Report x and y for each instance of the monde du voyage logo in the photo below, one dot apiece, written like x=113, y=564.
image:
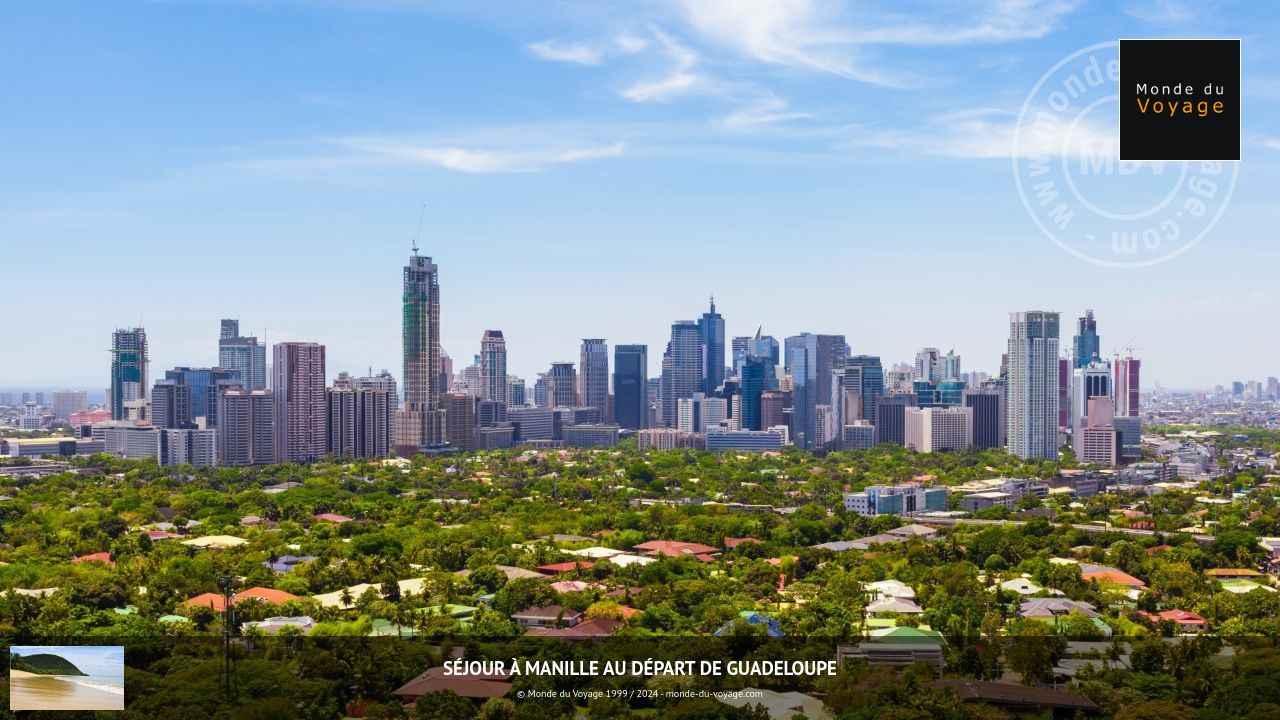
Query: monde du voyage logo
x=1124, y=151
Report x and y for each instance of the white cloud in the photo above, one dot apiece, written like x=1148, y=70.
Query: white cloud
x=470, y=160
x=681, y=79
x=587, y=53
x=767, y=111
x=989, y=133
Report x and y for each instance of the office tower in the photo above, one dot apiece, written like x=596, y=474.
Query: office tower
x=67, y=402
x=128, y=369
x=631, y=386
x=754, y=377
x=949, y=366
x=891, y=418
x=187, y=446
x=739, y=349
x=1237, y=388
x=246, y=427
x=298, y=389
x=1129, y=430
x=1086, y=345
x=493, y=367
x=689, y=413
x=988, y=406
x=460, y=421
x=765, y=346
x=593, y=376
x=6, y=399
x=171, y=405
x=1087, y=382
x=562, y=385
x=774, y=408
x=516, y=396
x=340, y=418
x=681, y=368
x=445, y=380
x=540, y=391
x=1273, y=390
x=40, y=399
x=1032, y=386
x=243, y=355
x=870, y=376
x=860, y=435
x=811, y=359
x=711, y=338
x=417, y=422
x=1065, y=368
x=938, y=429
x=1128, y=386
x=532, y=423
x=928, y=368
x=1097, y=440
x=202, y=382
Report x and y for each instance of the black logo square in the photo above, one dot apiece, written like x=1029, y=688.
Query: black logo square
x=1179, y=99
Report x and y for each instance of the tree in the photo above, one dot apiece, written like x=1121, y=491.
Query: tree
x=443, y=705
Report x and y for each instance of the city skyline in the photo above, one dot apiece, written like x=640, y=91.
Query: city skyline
x=655, y=156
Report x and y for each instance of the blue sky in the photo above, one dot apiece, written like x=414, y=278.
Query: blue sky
x=102, y=660
x=589, y=170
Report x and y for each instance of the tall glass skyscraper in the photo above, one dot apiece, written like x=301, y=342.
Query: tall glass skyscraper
x=630, y=386
x=418, y=423
x=681, y=368
x=711, y=337
x=493, y=367
x=754, y=379
x=243, y=355
x=872, y=383
x=811, y=360
x=593, y=374
x=1032, y=385
x=1087, y=343
x=128, y=369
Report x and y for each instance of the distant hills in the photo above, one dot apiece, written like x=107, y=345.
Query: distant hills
x=44, y=664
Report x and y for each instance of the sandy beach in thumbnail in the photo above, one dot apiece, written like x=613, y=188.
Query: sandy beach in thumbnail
x=28, y=691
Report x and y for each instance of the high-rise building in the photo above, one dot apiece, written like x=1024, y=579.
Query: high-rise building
x=938, y=429
x=562, y=382
x=868, y=375
x=460, y=421
x=243, y=355
x=1032, y=386
x=298, y=378
x=516, y=392
x=753, y=382
x=739, y=348
x=774, y=407
x=202, y=382
x=128, y=369
x=417, y=423
x=493, y=367
x=1096, y=440
x=811, y=359
x=1086, y=347
x=1128, y=386
x=891, y=418
x=1065, y=367
x=68, y=402
x=949, y=366
x=246, y=427
x=340, y=418
x=711, y=338
x=593, y=375
x=630, y=386
x=1087, y=382
x=187, y=446
x=171, y=405
x=681, y=368
x=361, y=415
x=988, y=406
x=928, y=368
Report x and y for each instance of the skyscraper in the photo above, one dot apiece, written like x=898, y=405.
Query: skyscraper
x=871, y=383
x=891, y=418
x=245, y=434
x=1088, y=382
x=460, y=421
x=417, y=423
x=300, y=409
x=593, y=374
x=988, y=406
x=1032, y=386
x=711, y=338
x=493, y=367
x=1128, y=386
x=128, y=369
x=928, y=368
x=681, y=368
x=754, y=377
x=171, y=405
x=811, y=359
x=1086, y=346
x=562, y=382
x=242, y=355
x=203, y=382
x=68, y=402
x=630, y=386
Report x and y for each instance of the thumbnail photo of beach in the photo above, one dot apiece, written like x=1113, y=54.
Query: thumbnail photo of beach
x=66, y=677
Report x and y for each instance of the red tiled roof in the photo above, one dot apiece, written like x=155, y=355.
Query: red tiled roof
x=1181, y=617
x=733, y=542
x=671, y=548
x=210, y=600
x=467, y=686
x=1114, y=577
x=265, y=594
x=102, y=557
x=331, y=517
x=564, y=567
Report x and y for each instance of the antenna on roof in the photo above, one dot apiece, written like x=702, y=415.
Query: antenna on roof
x=418, y=234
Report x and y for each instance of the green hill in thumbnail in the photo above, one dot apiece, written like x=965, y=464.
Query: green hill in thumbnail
x=44, y=664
